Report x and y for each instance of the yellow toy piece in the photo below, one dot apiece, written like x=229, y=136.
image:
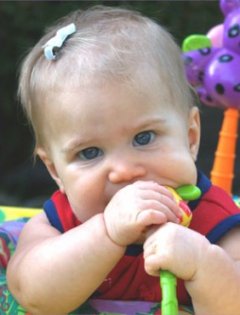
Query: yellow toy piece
x=14, y=213
x=186, y=212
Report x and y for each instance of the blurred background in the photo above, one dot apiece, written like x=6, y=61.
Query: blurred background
x=25, y=183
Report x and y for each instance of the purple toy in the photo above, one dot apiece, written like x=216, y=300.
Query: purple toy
x=212, y=66
x=215, y=71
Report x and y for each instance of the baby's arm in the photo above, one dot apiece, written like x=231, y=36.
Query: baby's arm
x=211, y=272
x=217, y=290
x=53, y=273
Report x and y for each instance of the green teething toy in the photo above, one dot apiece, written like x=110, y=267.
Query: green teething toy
x=168, y=281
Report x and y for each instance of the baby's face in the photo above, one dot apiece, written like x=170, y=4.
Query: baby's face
x=104, y=138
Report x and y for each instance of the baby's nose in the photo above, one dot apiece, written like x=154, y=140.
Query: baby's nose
x=126, y=171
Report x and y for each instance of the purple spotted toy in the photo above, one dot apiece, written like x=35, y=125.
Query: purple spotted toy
x=212, y=64
x=214, y=70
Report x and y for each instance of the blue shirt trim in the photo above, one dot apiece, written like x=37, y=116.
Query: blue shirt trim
x=204, y=184
x=134, y=250
x=222, y=228
x=51, y=212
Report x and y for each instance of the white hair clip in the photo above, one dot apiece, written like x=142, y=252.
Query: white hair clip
x=57, y=41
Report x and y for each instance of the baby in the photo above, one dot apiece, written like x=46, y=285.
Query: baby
x=114, y=123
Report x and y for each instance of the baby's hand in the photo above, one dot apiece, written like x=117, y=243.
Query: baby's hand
x=136, y=207
x=175, y=248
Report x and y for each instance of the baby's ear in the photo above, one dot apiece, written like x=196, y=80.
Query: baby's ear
x=194, y=132
x=45, y=157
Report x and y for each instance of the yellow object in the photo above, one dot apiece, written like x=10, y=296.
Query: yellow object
x=175, y=194
x=13, y=213
x=186, y=212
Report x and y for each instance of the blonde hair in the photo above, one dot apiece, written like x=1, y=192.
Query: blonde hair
x=111, y=42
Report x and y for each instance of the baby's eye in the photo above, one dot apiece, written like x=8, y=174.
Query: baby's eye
x=90, y=153
x=143, y=138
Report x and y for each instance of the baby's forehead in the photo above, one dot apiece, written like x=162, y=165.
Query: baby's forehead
x=69, y=76
x=73, y=77
x=74, y=74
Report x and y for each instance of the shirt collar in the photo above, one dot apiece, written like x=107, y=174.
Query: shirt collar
x=204, y=184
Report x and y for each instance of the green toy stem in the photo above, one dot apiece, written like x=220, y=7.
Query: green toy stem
x=168, y=281
x=168, y=284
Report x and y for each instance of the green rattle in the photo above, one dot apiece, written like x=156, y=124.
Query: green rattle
x=168, y=281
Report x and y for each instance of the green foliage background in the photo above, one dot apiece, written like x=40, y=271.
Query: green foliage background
x=21, y=25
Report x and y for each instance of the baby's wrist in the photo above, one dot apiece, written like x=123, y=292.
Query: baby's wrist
x=201, y=257
x=108, y=234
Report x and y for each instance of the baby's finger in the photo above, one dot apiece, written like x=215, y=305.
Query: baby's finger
x=151, y=217
x=171, y=210
x=153, y=265
x=168, y=201
x=151, y=185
